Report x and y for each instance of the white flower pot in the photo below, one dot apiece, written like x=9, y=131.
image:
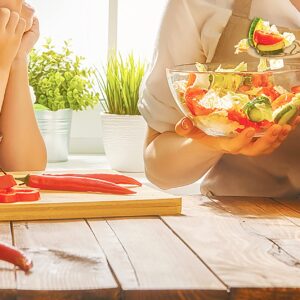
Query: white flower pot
x=123, y=139
x=55, y=127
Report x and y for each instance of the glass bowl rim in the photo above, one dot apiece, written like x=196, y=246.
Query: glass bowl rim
x=180, y=69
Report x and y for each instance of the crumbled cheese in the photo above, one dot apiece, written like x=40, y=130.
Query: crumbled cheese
x=276, y=64
x=213, y=100
x=289, y=38
x=280, y=90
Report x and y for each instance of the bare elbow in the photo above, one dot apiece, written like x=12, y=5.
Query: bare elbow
x=39, y=164
x=159, y=181
x=21, y=164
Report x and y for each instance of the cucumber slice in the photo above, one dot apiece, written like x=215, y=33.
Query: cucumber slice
x=256, y=24
x=266, y=53
x=286, y=114
x=256, y=115
x=259, y=109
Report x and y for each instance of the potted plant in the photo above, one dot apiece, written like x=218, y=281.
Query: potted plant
x=123, y=127
x=61, y=84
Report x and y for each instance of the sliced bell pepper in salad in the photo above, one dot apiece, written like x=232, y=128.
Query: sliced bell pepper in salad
x=192, y=97
x=270, y=92
x=242, y=119
x=261, y=80
x=282, y=100
x=191, y=79
x=295, y=89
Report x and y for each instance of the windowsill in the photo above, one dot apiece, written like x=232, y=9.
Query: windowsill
x=100, y=162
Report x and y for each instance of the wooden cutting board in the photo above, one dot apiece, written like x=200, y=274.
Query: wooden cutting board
x=73, y=205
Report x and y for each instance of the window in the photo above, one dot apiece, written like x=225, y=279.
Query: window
x=132, y=25
x=86, y=25
x=138, y=23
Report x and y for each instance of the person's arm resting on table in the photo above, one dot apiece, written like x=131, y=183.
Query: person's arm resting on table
x=22, y=147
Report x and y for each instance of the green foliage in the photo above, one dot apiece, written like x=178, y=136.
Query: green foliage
x=59, y=80
x=120, y=83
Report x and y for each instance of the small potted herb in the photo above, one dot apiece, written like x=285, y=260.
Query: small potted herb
x=123, y=127
x=61, y=84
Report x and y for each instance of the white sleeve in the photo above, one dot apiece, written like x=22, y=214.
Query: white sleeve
x=180, y=41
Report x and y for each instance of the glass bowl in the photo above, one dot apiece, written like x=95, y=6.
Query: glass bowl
x=224, y=102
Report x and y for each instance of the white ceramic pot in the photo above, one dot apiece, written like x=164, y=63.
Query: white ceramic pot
x=55, y=128
x=123, y=139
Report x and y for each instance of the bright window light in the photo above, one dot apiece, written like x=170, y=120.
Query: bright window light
x=138, y=24
x=85, y=22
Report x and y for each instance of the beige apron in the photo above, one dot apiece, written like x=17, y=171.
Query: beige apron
x=274, y=175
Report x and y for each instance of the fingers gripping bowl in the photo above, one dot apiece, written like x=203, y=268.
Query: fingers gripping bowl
x=223, y=101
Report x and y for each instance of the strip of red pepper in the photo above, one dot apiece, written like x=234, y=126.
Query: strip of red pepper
x=76, y=184
x=114, y=178
x=15, y=256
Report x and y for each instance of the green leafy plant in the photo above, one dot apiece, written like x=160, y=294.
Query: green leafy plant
x=120, y=83
x=59, y=79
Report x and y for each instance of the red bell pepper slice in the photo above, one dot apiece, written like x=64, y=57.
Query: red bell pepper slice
x=265, y=38
x=26, y=194
x=7, y=181
x=8, y=197
x=244, y=121
x=281, y=100
x=191, y=79
x=192, y=97
x=296, y=89
x=261, y=80
x=244, y=88
x=270, y=92
x=19, y=195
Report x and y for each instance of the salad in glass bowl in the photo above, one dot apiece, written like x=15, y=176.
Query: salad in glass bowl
x=265, y=39
x=225, y=100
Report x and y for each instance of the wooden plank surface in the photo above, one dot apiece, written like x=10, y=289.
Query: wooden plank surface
x=7, y=271
x=68, y=262
x=292, y=203
x=237, y=239
x=278, y=224
x=150, y=262
x=68, y=205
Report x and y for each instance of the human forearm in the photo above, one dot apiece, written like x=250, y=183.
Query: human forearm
x=22, y=147
x=173, y=161
x=4, y=74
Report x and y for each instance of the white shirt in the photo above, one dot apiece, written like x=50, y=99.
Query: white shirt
x=190, y=32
